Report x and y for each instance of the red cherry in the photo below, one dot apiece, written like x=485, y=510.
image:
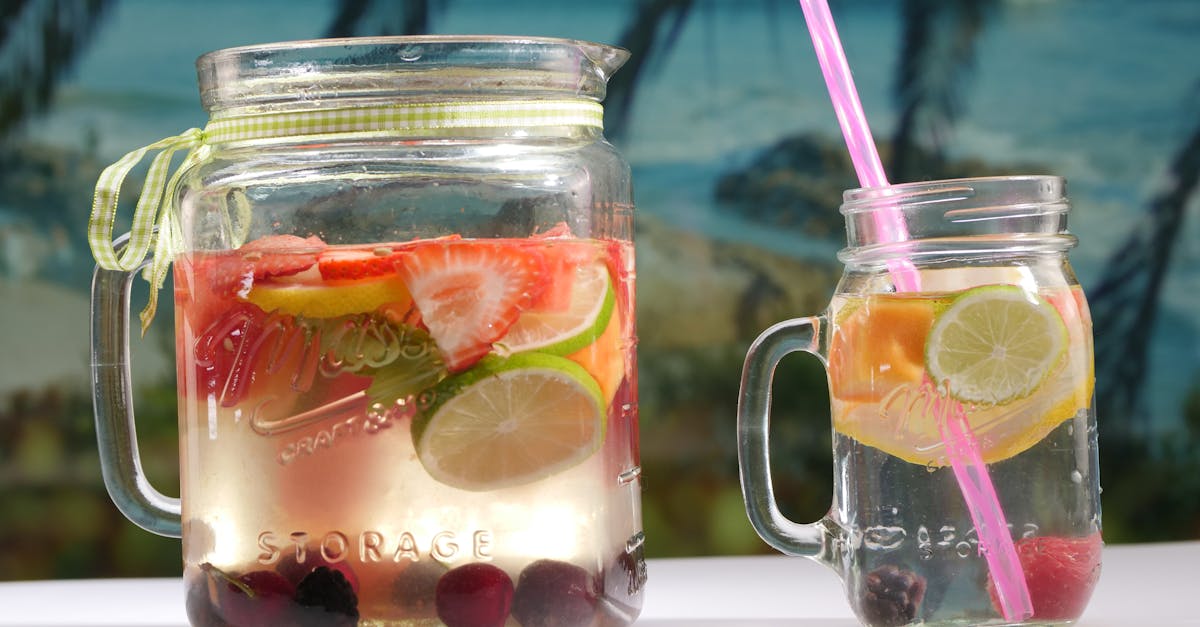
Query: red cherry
x=259, y=597
x=551, y=593
x=474, y=595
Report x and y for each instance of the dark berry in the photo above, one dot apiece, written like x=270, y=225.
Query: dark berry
x=295, y=570
x=474, y=595
x=415, y=588
x=892, y=597
x=329, y=596
x=554, y=594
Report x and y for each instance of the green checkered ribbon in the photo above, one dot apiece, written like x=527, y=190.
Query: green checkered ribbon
x=153, y=221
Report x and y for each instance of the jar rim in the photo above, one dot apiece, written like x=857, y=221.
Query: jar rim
x=955, y=216
x=307, y=73
x=862, y=199
x=299, y=44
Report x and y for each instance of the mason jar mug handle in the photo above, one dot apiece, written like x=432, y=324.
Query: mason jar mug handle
x=112, y=400
x=754, y=417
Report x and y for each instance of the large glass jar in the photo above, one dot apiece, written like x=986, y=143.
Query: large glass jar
x=404, y=331
x=966, y=487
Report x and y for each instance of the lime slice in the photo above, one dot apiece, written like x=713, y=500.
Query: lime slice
x=564, y=332
x=510, y=421
x=995, y=344
x=329, y=300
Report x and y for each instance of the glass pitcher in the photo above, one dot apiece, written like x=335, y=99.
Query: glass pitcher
x=966, y=488
x=403, y=295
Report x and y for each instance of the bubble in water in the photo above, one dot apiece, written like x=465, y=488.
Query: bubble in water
x=1076, y=476
x=410, y=53
x=931, y=468
x=926, y=553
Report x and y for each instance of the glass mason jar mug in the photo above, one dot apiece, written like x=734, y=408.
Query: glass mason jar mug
x=960, y=373
x=404, y=327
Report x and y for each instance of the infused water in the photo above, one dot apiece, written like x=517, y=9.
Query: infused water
x=1018, y=361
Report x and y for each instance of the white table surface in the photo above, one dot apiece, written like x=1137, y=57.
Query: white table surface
x=1148, y=584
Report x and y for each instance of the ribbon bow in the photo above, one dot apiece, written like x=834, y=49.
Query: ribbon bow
x=152, y=224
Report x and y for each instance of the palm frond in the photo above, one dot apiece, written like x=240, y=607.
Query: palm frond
x=937, y=55
x=39, y=42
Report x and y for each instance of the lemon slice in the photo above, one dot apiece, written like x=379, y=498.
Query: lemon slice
x=995, y=344
x=329, y=300
x=564, y=332
x=510, y=421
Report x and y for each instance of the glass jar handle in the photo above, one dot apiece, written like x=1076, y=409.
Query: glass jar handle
x=112, y=400
x=754, y=418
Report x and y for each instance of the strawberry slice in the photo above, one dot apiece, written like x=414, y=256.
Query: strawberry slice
x=469, y=292
x=1060, y=572
x=263, y=259
x=563, y=255
x=357, y=264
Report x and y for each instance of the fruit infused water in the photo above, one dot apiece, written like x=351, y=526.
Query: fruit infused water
x=436, y=431
x=1016, y=359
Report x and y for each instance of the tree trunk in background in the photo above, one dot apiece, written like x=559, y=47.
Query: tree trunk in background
x=1125, y=302
x=937, y=54
x=382, y=17
x=39, y=42
x=648, y=42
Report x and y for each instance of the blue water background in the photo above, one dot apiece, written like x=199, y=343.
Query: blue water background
x=1102, y=92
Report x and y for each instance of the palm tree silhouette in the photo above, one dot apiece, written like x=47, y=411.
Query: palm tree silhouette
x=396, y=17
x=1126, y=301
x=937, y=54
x=647, y=39
x=39, y=42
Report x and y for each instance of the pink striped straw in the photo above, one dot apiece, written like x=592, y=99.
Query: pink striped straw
x=856, y=132
x=995, y=540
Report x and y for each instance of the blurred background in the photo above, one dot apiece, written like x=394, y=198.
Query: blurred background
x=738, y=168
